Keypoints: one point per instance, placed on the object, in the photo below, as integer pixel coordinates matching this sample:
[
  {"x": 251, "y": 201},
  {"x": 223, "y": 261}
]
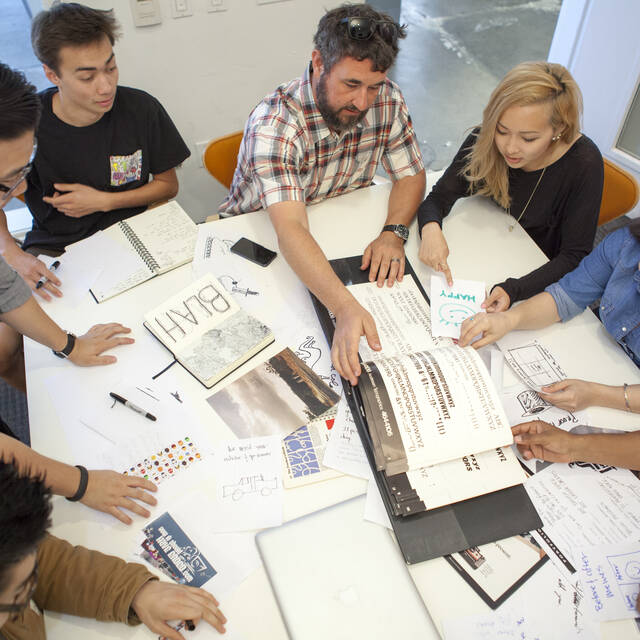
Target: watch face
[{"x": 402, "y": 231}]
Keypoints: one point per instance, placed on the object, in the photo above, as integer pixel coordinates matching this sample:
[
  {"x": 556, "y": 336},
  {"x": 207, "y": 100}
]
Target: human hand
[
  {"x": 31, "y": 269},
  {"x": 570, "y": 395},
  {"x": 111, "y": 492},
  {"x": 434, "y": 250},
  {"x": 541, "y": 440},
  {"x": 490, "y": 327},
  {"x": 384, "y": 257},
  {"x": 156, "y": 602},
  {"x": 498, "y": 300},
  {"x": 352, "y": 321},
  {"x": 99, "y": 338},
  {"x": 78, "y": 200}
]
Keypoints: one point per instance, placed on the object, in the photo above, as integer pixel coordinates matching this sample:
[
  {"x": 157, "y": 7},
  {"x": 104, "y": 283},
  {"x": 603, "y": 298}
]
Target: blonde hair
[{"x": 527, "y": 83}]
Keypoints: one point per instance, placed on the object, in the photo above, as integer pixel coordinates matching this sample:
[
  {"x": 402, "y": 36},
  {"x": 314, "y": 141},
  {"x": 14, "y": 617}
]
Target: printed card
[{"x": 166, "y": 462}]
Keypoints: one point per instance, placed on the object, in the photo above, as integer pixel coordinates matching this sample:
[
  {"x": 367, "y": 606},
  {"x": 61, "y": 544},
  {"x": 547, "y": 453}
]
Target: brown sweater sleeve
[{"x": 86, "y": 583}]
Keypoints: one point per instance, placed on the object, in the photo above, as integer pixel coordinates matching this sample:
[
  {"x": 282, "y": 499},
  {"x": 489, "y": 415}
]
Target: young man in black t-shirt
[{"x": 98, "y": 143}]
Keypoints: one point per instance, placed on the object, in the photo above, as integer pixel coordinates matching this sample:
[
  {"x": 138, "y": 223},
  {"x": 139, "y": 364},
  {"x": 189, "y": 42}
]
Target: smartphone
[{"x": 254, "y": 252}]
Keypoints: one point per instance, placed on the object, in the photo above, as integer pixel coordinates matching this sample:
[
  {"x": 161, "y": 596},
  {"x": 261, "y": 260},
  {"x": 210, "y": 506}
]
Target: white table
[{"x": 481, "y": 248}]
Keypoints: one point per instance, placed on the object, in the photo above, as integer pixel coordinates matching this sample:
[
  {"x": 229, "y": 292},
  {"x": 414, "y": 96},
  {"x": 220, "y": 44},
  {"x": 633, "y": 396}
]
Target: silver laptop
[{"x": 338, "y": 576}]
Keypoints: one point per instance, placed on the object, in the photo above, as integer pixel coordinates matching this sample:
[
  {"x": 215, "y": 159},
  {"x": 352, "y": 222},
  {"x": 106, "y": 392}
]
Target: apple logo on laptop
[{"x": 348, "y": 596}]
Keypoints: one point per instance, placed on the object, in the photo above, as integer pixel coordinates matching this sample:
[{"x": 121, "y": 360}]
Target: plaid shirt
[{"x": 289, "y": 153}]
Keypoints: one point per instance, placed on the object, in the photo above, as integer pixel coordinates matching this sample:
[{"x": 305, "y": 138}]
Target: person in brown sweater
[{"x": 39, "y": 569}]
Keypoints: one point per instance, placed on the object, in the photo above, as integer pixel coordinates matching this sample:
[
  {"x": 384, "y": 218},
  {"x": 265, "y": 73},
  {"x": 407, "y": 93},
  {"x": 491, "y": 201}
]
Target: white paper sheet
[
  {"x": 249, "y": 484},
  {"x": 532, "y": 362},
  {"x": 402, "y": 318},
  {"x": 374, "y": 510},
  {"x": 546, "y": 607},
  {"x": 451, "y": 306},
  {"x": 78, "y": 270},
  {"x": 584, "y": 506},
  {"x": 610, "y": 577},
  {"x": 344, "y": 451},
  {"x": 103, "y": 433}
]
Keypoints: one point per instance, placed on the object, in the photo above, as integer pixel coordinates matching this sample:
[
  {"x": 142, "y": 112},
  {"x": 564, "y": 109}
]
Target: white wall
[
  {"x": 597, "y": 41},
  {"x": 210, "y": 69}
]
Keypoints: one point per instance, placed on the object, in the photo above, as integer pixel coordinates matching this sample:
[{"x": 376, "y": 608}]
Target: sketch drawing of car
[{"x": 250, "y": 484}]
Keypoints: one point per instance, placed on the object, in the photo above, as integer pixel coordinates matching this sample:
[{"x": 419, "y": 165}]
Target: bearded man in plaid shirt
[{"x": 323, "y": 135}]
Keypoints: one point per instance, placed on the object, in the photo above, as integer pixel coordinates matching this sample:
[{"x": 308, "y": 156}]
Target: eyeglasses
[
  {"x": 364, "y": 28},
  {"x": 5, "y": 192},
  {"x": 29, "y": 588}
]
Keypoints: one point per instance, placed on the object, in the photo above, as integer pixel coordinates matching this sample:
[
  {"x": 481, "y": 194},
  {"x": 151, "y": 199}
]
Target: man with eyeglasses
[
  {"x": 20, "y": 314},
  {"x": 323, "y": 135},
  {"x": 40, "y": 572}
]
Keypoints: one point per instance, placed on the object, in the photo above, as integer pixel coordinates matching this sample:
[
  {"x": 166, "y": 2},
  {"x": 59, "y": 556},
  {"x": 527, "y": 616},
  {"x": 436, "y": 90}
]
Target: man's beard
[{"x": 331, "y": 116}]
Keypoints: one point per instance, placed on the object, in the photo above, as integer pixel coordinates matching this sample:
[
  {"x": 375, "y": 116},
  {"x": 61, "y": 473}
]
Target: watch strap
[
  {"x": 68, "y": 348},
  {"x": 399, "y": 229}
]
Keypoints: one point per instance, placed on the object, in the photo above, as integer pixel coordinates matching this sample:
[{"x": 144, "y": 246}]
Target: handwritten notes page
[
  {"x": 344, "y": 451},
  {"x": 584, "y": 505},
  {"x": 546, "y": 607},
  {"x": 451, "y": 306},
  {"x": 249, "y": 484},
  {"x": 402, "y": 318},
  {"x": 610, "y": 577}
]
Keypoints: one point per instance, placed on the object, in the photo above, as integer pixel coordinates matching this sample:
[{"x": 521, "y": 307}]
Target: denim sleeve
[
  {"x": 567, "y": 308},
  {"x": 584, "y": 285}
]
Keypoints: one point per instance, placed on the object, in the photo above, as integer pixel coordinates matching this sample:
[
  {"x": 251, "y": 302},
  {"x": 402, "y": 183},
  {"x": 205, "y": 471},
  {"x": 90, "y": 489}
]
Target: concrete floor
[{"x": 455, "y": 53}]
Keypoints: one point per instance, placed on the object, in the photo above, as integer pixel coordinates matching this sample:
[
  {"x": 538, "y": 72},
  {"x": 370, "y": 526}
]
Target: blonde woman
[{"x": 531, "y": 159}]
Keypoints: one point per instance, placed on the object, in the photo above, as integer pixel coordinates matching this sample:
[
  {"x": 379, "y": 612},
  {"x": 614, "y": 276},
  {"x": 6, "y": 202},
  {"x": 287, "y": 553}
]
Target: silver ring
[{"x": 395, "y": 259}]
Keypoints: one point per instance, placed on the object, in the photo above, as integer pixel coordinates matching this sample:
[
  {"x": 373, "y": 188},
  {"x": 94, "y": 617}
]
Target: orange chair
[
  {"x": 619, "y": 192},
  {"x": 221, "y": 156}
]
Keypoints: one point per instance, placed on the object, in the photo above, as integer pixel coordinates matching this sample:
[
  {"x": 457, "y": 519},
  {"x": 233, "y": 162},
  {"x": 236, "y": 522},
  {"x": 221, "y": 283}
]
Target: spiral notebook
[{"x": 145, "y": 246}]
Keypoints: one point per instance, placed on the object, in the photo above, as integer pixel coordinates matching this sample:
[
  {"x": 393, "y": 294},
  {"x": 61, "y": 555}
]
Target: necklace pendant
[{"x": 510, "y": 227}]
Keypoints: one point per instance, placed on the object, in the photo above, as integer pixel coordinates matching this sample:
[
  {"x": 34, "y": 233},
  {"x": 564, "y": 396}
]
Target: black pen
[
  {"x": 42, "y": 280},
  {"x": 132, "y": 406}
]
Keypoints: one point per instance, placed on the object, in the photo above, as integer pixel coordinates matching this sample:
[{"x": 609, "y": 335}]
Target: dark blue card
[{"x": 178, "y": 551}]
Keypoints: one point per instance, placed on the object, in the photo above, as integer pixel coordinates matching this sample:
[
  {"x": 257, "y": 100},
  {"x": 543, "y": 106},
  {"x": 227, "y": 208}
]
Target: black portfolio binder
[{"x": 437, "y": 532}]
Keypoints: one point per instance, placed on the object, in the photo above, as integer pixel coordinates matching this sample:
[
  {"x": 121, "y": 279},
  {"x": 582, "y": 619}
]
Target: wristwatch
[
  {"x": 68, "y": 348},
  {"x": 399, "y": 229}
]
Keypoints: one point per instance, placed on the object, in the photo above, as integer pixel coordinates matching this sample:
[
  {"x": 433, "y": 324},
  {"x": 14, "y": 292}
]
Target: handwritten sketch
[
  {"x": 232, "y": 286},
  {"x": 451, "y": 306},
  {"x": 250, "y": 484},
  {"x": 535, "y": 365},
  {"x": 531, "y": 403},
  {"x": 315, "y": 353},
  {"x": 215, "y": 246}
]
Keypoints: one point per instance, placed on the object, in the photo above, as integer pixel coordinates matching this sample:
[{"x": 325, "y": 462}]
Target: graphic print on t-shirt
[{"x": 125, "y": 169}]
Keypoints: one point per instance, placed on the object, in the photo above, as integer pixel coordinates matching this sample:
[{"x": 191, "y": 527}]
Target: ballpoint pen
[{"x": 54, "y": 266}]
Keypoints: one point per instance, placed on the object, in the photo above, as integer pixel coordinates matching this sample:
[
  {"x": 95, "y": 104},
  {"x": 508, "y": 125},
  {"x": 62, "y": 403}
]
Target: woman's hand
[
  {"x": 490, "y": 327},
  {"x": 497, "y": 300},
  {"x": 541, "y": 440},
  {"x": 434, "y": 250},
  {"x": 570, "y": 395}
]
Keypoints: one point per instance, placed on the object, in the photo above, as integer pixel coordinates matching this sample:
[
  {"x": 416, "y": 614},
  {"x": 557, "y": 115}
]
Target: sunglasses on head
[{"x": 364, "y": 28}]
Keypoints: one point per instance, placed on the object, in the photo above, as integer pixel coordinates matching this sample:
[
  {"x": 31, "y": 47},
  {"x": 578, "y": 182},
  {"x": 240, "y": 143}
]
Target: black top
[
  {"x": 133, "y": 140},
  {"x": 561, "y": 218}
]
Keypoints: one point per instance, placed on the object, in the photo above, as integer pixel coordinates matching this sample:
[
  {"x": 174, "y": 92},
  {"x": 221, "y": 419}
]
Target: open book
[
  {"x": 144, "y": 246},
  {"x": 208, "y": 333},
  {"x": 436, "y": 422}
]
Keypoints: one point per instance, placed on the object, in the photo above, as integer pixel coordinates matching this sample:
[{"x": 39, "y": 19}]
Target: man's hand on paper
[
  {"x": 491, "y": 327},
  {"x": 99, "y": 338},
  {"x": 78, "y": 200},
  {"x": 31, "y": 269},
  {"x": 434, "y": 250},
  {"x": 570, "y": 395},
  {"x": 352, "y": 321},
  {"x": 157, "y": 602},
  {"x": 111, "y": 492},
  {"x": 384, "y": 257},
  {"x": 541, "y": 440},
  {"x": 498, "y": 300}
]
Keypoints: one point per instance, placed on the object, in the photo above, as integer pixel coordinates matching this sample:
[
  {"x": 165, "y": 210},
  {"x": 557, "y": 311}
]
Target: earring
[{"x": 556, "y": 138}]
